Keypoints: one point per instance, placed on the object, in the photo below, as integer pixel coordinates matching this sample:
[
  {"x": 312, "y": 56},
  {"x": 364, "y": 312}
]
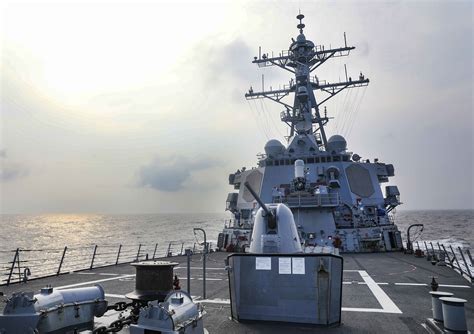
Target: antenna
[{"x": 301, "y": 25}]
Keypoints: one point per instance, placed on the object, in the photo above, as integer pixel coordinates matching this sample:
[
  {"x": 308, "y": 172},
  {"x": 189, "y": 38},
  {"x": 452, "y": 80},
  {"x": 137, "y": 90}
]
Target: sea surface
[{"x": 55, "y": 231}]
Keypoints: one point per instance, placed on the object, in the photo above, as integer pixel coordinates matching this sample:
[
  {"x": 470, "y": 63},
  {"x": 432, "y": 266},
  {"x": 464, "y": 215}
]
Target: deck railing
[
  {"x": 28, "y": 264},
  {"x": 457, "y": 258},
  {"x": 318, "y": 200},
  {"x": 236, "y": 223}
]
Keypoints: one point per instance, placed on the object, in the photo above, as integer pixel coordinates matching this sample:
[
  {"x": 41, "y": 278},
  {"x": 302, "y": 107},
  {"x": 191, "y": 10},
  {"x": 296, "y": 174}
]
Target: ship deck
[{"x": 382, "y": 292}]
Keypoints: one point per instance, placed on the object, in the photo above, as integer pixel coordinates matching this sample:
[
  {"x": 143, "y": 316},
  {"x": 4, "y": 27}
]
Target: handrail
[
  {"x": 453, "y": 257},
  {"x": 235, "y": 223},
  {"x": 56, "y": 261},
  {"x": 330, "y": 199}
]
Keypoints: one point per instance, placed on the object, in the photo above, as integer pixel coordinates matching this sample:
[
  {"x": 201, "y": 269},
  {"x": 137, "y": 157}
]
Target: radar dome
[
  {"x": 273, "y": 148},
  {"x": 301, "y": 38},
  {"x": 337, "y": 144}
]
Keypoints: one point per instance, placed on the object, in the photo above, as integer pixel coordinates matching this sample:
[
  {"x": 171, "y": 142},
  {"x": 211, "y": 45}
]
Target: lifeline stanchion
[
  {"x": 188, "y": 258},
  {"x": 203, "y": 262}
]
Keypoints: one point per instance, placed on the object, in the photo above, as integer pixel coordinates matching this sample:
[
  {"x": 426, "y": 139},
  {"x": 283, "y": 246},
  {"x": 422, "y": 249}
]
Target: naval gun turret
[
  {"x": 276, "y": 281},
  {"x": 274, "y": 229}
]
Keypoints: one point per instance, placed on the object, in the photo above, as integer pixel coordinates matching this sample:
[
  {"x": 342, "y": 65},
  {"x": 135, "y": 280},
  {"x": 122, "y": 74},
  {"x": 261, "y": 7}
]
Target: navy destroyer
[
  {"x": 335, "y": 196},
  {"x": 314, "y": 198}
]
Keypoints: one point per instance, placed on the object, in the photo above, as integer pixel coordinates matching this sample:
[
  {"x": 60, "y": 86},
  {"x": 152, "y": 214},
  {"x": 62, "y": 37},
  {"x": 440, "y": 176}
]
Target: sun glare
[{"x": 83, "y": 50}]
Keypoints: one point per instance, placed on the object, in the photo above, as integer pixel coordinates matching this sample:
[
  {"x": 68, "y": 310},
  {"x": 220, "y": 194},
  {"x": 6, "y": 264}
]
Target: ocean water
[
  {"x": 45, "y": 236},
  {"x": 42, "y": 239},
  {"x": 454, "y": 227},
  {"x": 59, "y": 230}
]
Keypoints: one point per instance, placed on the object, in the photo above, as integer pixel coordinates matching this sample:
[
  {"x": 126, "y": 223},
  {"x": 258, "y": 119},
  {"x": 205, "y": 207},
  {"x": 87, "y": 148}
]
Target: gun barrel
[{"x": 258, "y": 199}]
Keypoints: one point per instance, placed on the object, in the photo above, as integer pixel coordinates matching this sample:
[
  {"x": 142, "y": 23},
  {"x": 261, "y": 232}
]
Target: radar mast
[{"x": 302, "y": 58}]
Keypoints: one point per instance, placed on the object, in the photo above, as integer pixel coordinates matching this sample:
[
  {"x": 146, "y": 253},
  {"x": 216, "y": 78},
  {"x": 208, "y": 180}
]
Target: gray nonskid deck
[{"x": 381, "y": 292}]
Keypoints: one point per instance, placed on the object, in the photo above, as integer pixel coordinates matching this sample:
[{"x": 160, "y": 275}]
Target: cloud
[
  {"x": 228, "y": 69},
  {"x": 233, "y": 60},
  {"x": 10, "y": 171},
  {"x": 173, "y": 174}
]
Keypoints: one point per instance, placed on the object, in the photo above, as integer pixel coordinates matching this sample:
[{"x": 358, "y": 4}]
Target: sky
[{"x": 138, "y": 107}]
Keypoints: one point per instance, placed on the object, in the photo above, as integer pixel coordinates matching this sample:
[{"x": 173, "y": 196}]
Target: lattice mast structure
[{"x": 302, "y": 58}]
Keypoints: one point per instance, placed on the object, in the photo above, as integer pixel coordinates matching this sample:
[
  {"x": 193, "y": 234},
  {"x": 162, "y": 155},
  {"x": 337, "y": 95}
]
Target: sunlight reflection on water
[{"x": 54, "y": 231}]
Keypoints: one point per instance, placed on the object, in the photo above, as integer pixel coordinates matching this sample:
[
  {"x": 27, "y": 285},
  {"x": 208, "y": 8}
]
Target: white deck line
[
  {"x": 388, "y": 306},
  {"x": 91, "y": 282},
  {"x": 361, "y": 309},
  {"x": 351, "y": 271},
  {"x": 455, "y": 286},
  {"x": 344, "y": 309},
  {"x": 108, "y": 274},
  {"x": 120, "y": 277},
  {"x": 200, "y": 279},
  {"x": 411, "y": 284},
  {"x": 199, "y": 268},
  {"x": 363, "y": 283},
  {"x": 112, "y": 295},
  {"x": 347, "y": 309},
  {"x": 215, "y": 301}
]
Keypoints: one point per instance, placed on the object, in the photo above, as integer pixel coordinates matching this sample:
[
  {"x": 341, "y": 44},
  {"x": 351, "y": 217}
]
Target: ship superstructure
[{"x": 335, "y": 196}]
